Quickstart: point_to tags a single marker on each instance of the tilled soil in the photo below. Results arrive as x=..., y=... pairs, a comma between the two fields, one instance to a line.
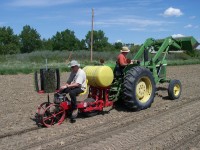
x=166, y=124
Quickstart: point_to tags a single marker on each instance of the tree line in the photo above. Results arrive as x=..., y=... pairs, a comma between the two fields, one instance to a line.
x=29, y=40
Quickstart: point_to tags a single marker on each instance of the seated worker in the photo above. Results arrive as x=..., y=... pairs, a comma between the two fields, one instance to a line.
x=75, y=85
x=122, y=61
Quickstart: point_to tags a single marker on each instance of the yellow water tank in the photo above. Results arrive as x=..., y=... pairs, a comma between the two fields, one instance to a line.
x=99, y=76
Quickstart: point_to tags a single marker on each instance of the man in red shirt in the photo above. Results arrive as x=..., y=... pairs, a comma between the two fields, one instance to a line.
x=121, y=62
x=121, y=58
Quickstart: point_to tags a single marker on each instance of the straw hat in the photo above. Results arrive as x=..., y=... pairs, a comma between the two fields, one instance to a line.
x=73, y=63
x=125, y=49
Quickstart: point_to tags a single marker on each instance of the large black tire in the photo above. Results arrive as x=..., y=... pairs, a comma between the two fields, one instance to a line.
x=174, y=89
x=138, y=88
x=92, y=113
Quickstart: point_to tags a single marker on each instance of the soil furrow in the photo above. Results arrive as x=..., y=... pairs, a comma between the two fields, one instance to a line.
x=174, y=137
x=140, y=132
x=189, y=141
x=103, y=129
x=19, y=132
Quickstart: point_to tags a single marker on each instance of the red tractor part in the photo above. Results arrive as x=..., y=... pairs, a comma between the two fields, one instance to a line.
x=54, y=114
x=50, y=114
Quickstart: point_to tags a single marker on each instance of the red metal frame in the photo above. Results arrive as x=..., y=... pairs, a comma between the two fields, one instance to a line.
x=100, y=95
x=42, y=91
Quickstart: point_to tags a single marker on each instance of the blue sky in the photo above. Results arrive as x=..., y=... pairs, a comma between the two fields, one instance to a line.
x=128, y=21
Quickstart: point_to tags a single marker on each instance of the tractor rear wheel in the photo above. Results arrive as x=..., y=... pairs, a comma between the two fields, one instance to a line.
x=174, y=89
x=138, y=88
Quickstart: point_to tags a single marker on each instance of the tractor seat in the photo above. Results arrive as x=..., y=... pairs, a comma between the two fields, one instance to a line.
x=84, y=92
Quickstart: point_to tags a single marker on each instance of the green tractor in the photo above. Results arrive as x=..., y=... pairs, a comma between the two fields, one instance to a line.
x=136, y=87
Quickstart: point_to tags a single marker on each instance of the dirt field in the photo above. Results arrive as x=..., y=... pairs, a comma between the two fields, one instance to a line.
x=166, y=125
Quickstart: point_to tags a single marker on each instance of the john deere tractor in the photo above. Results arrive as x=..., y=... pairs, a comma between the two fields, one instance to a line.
x=136, y=86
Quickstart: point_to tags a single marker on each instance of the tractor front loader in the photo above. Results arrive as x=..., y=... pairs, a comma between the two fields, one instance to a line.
x=137, y=86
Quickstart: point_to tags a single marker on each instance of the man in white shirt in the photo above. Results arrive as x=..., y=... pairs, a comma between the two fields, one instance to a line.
x=75, y=85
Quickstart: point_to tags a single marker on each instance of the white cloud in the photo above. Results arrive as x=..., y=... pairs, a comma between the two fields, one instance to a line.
x=144, y=2
x=39, y=3
x=141, y=22
x=138, y=23
x=172, y=12
x=119, y=41
x=51, y=17
x=191, y=26
x=177, y=35
x=137, y=29
x=192, y=17
x=188, y=26
x=162, y=30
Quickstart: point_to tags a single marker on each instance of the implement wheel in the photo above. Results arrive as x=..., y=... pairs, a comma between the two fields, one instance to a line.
x=138, y=88
x=40, y=111
x=42, y=107
x=174, y=89
x=54, y=114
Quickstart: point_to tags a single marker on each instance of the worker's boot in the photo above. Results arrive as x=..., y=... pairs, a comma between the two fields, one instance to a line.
x=74, y=115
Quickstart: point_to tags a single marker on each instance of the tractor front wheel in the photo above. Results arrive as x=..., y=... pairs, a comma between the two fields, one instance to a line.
x=174, y=89
x=138, y=88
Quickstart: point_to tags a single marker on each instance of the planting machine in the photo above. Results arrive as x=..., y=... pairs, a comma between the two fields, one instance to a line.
x=134, y=87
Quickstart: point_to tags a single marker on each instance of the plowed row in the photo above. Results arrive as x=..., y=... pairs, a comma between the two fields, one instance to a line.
x=166, y=125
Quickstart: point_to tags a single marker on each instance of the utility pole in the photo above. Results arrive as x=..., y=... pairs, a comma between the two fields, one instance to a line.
x=91, y=43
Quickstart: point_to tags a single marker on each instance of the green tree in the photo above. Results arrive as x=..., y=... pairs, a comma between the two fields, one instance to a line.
x=9, y=42
x=134, y=48
x=65, y=40
x=83, y=45
x=100, y=42
x=118, y=45
x=30, y=40
x=47, y=44
x=109, y=47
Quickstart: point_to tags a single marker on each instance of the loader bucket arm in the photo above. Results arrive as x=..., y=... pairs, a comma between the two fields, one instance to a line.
x=148, y=43
x=160, y=48
x=166, y=45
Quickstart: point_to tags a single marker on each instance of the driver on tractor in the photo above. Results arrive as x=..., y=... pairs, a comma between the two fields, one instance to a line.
x=122, y=61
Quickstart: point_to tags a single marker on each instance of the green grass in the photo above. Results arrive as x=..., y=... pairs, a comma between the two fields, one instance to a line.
x=28, y=63
x=183, y=62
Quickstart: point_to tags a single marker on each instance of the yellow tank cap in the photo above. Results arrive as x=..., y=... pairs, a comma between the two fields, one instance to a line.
x=99, y=76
